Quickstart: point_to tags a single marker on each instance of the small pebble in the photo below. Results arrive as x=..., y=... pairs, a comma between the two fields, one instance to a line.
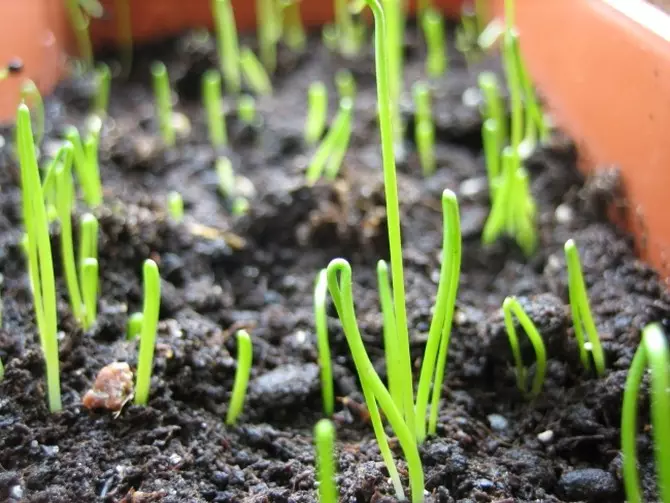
x=497, y=422
x=471, y=97
x=546, y=436
x=588, y=484
x=473, y=186
x=564, y=214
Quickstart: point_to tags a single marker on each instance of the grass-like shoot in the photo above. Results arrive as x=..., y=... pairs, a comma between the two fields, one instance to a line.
x=228, y=44
x=582, y=318
x=268, y=29
x=246, y=110
x=79, y=21
x=240, y=206
x=89, y=282
x=163, y=99
x=328, y=157
x=652, y=354
x=324, y=438
x=512, y=307
x=492, y=147
x=211, y=96
x=88, y=237
x=437, y=60
x=134, y=325
x=317, y=112
x=294, y=30
x=226, y=177
x=347, y=34
x=86, y=162
x=321, y=326
x=31, y=96
x=244, y=357
x=424, y=128
x=103, y=78
x=125, y=34
x=493, y=104
x=345, y=84
x=175, y=204
x=40, y=262
x=150, y=312
x=254, y=73
x=393, y=373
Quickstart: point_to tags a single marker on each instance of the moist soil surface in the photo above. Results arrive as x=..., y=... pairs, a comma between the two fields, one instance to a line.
x=222, y=272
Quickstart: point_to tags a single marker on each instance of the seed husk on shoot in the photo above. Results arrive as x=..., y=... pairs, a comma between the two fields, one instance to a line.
x=244, y=358
x=345, y=84
x=103, y=78
x=216, y=121
x=254, y=73
x=134, y=325
x=512, y=307
x=246, y=110
x=163, y=100
x=294, y=30
x=324, y=438
x=150, y=312
x=317, y=112
x=40, y=262
x=31, y=96
x=80, y=22
x=437, y=60
x=653, y=354
x=582, y=319
x=227, y=44
x=175, y=206
x=321, y=326
x=89, y=281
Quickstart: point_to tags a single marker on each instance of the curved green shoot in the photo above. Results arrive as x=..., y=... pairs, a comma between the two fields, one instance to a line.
x=103, y=79
x=30, y=95
x=125, y=33
x=317, y=112
x=494, y=106
x=435, y=353
x=581, y=312
x=150, y=312
x=134, y=326
x=511, y=306
x=80, y=23
x=246, y=110
x=490, y=141
x=321, y=326
x=652, y=353
x=89, y=281
x=216, y=122
x=374, y=391
x=163, y=99
x=324, y=438
x=294, y=30
x=437, y=60
x=254, y=73
x=64, y=198
x=244, y=357
x=40, y=262
x=226, y=176
x=175, y=206
x=345, y=84
x=393, y=372
x=228, y=44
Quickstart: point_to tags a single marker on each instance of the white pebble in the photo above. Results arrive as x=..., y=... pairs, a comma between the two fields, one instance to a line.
x=471, y=97
x=473, y=186
x=564, y=214
x=546, y=436
x=497, y=422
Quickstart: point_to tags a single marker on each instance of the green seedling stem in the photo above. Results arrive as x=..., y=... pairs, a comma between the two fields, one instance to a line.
x=150, y=312
x=226, y=176
x=523, y=211
x=40, y=263
x=64, y=194
x=244, y=357
x=346, y=34
x=89, y=281
x=422, y=6
x=498, y=218
x=125, y=31
x=176, y=206
x=239, y=207
x=324, y=438
x=254, y=73
x=494, y=106
x=228, y=44
x=395, y=29
x=437, y=60
x=246, y=109
x=88, y=241
x=163, y=99
x=269, y=32
x=134, y=326
x=582, y=319
x=390, y=334
x=515, y=91
x=103, y=78
x=424, y=137
x=333, y=146
x=93, y=196
x=490, y=138
x=435, y=353
x=321, y=326
x=422, y=106
x=79, y=23
x=512, y=307
x=216, y=123
x=374, y=391
x=294, y=30
x=510, y=14
x=482, y=14
x=345, y=84
x=30, y=95
x=317, y=112
x=653, y=354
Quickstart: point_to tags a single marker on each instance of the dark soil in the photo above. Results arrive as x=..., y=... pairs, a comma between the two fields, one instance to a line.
x=221, y=273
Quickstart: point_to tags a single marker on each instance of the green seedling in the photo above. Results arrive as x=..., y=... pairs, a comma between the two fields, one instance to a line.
x=103, y=78
x=294, y=30
x=216, y=122
x=239, y=207
x=317, y=112
x=79, y=21
x=422, y=6
x=437, y=60
x=490, y=137
x=268, y=31
x=512, y=307
x=482, y=14
x=321, y=326
x=175, y=206
x=163, y=99
x=324, y=437
x=228, y=44
x=246, y=110
x=422, y=105
x=150, y=312
x=86, y=164
x=244, y=357
x=40, y=263
x=330, y=154
x=226, y=176
x=30, y=95
x=88, y=238
x=254, y=73
x=582, y=319
x=134, y=326
x=345, y=84
x=424, y=128
x=89, y=282
x=653, y=354
x=395, y=31
x=125, y=32
x=393, y=372
x=493, y=104
x=347, y=34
